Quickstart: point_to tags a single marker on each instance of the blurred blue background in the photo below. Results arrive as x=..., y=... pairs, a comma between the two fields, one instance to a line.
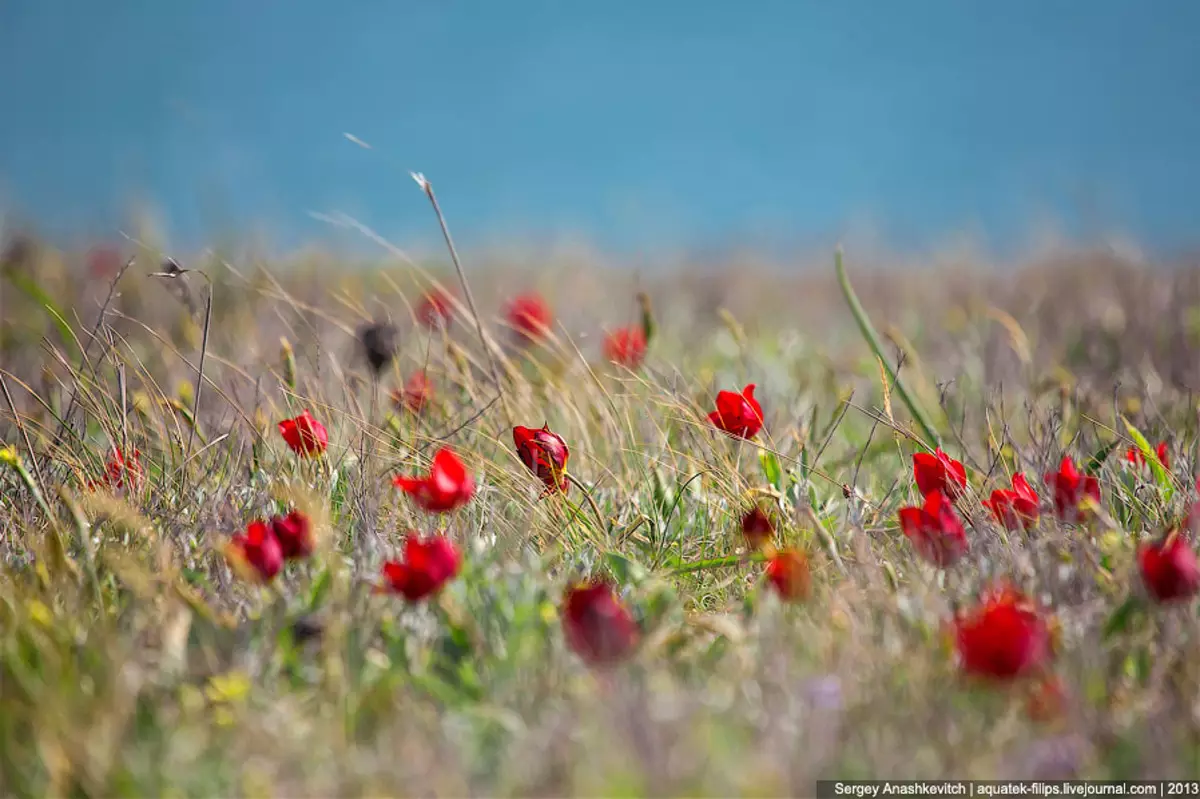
x=633, y=124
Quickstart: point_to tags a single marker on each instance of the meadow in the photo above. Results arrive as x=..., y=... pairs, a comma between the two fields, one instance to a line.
x=621, y=581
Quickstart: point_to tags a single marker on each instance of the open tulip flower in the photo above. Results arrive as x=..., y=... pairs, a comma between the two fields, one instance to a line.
x=304, y=435
x=597, y=626
x=1169, y=568
x=448, y=485
x=1072, y=492
x=1016, y=509
x=937, y=471
x=739, y=415
x=1003, y=637
x=544, y=453
x=935, y=530
x=427, y=566
x=295, y=535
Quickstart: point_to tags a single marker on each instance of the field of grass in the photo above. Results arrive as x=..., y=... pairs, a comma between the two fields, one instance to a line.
x=135, y=660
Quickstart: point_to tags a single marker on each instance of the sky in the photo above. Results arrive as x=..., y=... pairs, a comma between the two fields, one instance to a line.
x=630, y=124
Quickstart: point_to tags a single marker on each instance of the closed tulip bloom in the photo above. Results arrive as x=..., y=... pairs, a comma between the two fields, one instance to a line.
x=529, y=316
x=787, y=572
x=937, y=471
x=544, y=453
x=626, y=347
x=1003, y=637
x=1169, y=568
x=935, y=530
x=597, y=626
x=256, y=554
x=304, y=435
x=427, y=566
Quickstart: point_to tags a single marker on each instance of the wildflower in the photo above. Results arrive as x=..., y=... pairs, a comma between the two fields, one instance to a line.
x=1003, y=637
x=1016, y=508
x=935, y=530
x=427, y=566
x=122, y=469
x=787, y=573
x=529, y=316
x=544, y=453
x=757, y=528
x=597, y=626
x=939, y=472
x=447, y=486
x=256, y=553
x=1169, y=568
x=434, y=311
x=417, y=391
x=1071, y=489
x=1135, y=456
x=295, y=534
x=738, y=414
x=304, y=435
x=626, y=347
x=378, y=343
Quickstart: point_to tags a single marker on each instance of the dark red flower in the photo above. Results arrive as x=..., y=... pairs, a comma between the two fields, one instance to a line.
x=435, y=309
x=597, y=627
x=1134, y=455
x=935, y=530
x=295, y=535
x=1003, y=637
x=417, y=391
x=427, y=566
x=1169, y=568
x=122, y=469
x=447, y=486
x=738, y=414
x=757, y=528
x=937, y=471
x=626, y=347
x=304, y=435
x=529, y=316
x=1071, y=489
x=256, y=554
x=544, y=453
x=1015, y=509
x=787, y=572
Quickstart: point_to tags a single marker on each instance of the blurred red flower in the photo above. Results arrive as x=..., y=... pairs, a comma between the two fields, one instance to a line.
x=738, y=414
x=304, y=435
x=417, y=391
x=104, y=262
x=435, y=309
x=757, y=528
x=544, y=453
x=1071, y=489
x=937, y=471
x=295, y=534
x=1003, y=637
x=1169, y=568
x=1015, y=509
x=1134, y=455
x=626, y=347
x=787, y=572
x=529, y=316
x=427, y=566
x=255, y=554
x=122, y=469
x=935, y=530
x=597, y=626
x=447, y=486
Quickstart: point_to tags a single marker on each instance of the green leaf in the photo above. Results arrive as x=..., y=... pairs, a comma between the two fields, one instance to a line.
x=320, y=588
x=625, y=570
x=1097, y=460
x=1161, y=475
x=771, y=467
x=1121, y=620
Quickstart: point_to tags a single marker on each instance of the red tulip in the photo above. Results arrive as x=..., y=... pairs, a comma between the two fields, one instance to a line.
x=626, y=347
x=304, y=435
x=256, y=554
x=544, y=453
x=295, y=535
x=1169, y=568
x=937, y=471
x=428, y=565
x=597, y=627
x=1070, y=489
x=529, y=316
x=757, y=528
x=1003, y=637
x=1015, y=509
x=787, y=572
x=935, y=530
x=435, y=309
x=738, y=414
x=448, y=485
x=417, y=391
x=121, y=469
x=1134, y=455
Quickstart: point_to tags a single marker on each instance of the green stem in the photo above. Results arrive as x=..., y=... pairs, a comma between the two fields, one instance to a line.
x=719, y=563
x=868, y=331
